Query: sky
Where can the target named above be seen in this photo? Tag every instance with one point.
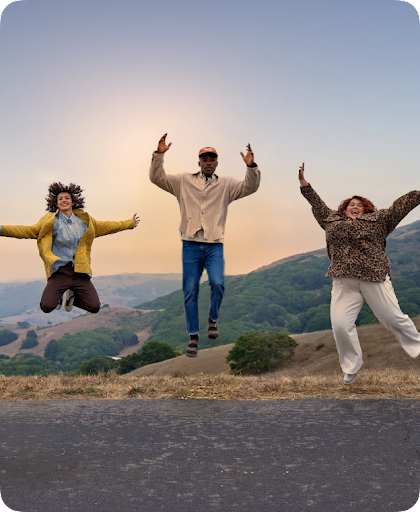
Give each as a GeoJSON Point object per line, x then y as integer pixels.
{"type": "Point", "coordinates": [89, 86]}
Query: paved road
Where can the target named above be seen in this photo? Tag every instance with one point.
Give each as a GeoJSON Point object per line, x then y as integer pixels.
{"type": "Point", "coordinates": [203, 455]}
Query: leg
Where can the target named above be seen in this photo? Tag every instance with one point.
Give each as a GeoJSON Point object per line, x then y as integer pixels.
{"type": "Point", "coordinates": [346, 303]}
{"type": "Point", "coordinates": [57, 284]}
{"type": "Point", "coordinates": [384, 304]}
{"type": "Point", "coordinates": [215, 267]}
{"type": "Point", "coordinates": [192, 268]}
{"type": "Point", "coordinates": [85, 295]}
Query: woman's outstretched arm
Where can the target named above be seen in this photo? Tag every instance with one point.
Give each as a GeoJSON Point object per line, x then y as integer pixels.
{"type": "Point", "coordinates": [106, 227]}
{"type": "Point", "coordinates": [21, 231]}
{"type": "Point", "coordinates": [400, 208]}
{"type": "Point", "coordinates": [319, 208]}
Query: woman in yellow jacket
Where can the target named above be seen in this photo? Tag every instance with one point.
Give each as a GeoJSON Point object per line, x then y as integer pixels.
{"type": "Point", "coordinates": [64, 237]}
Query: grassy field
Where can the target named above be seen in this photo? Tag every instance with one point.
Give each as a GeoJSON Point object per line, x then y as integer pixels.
{"type": "Point", "coordinates": [314, 372]}
{"type": "Point", "coordinates": [370, 384]}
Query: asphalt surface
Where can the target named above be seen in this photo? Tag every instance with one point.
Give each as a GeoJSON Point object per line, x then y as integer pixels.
{"type": "Point", "coordinates": [207, 455]}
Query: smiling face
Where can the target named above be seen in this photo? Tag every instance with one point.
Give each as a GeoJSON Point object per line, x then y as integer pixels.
{"type": "Point", "coordinates": [65, 203]}
{"type": "Point", "coordinates": [355, 209]}
{"type": "Point", "coordinates": [208, 163]}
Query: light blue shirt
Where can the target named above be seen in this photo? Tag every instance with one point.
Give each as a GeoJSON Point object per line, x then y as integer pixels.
{"type": "Point", "coordinates": [66, 236]}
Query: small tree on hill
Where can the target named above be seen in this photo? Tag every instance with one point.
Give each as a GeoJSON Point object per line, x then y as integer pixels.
{"type": "Point", "coordinates": [7, 337]}
{"type": "Point", "coordinates": [260, 350]}
{"type": "Point", "coordinates": [30, 341]}
{"type": "Point", "coordinates": [23, 325]}
{"type": "Point", "coordinates": [155, 351]}
{"type": "Point", "coordinates": [128, 363]}
{"type": "Point", "coordinates": [95, 365]}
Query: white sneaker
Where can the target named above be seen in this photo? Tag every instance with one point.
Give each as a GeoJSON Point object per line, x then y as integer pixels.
{"type": "Point", "coordinates": [69, 300]}
{"type": "Point", "coordinates": [60, 303]}
{"type": "Point", "coordinates": [349, 378]}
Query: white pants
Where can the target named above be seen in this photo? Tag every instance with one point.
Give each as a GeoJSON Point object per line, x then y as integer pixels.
{"type": "Point", "coordinates": [347, 298]}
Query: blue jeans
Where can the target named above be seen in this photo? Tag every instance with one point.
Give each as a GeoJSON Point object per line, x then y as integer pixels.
{"type": "Point", "coordinates": [197, 256]}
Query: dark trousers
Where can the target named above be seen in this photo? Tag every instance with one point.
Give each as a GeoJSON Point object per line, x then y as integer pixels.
{"type": "Point", "coordinates": [65, 278]}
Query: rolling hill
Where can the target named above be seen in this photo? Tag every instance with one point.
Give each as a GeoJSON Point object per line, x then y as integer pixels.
{"type": "Point", "coordinates": [380, 348]}
{"type": "Point", "coordinates": [137, 320]}
{"type": "Point", "coordinates": [290, 295]}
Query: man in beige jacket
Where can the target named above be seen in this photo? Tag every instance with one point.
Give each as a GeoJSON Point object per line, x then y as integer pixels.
{"type": "Point", "coordinates": [203, 199]}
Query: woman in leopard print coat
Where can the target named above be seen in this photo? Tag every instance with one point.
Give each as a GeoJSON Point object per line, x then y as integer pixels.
{"type": "Point", "coordinates": [356, 236]}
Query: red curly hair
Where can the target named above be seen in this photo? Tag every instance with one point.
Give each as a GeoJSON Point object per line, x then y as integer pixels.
{"type": "Point", "coordinates": [368, 206]}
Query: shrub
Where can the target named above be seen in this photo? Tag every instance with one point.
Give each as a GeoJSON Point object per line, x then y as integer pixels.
{"type": "Point", "coordinates": [155, 351]}
{"type": "Point", "coordinates": [260, 350]}
{"type": "Point", "coordinates": [7, 337]}
{"type": "Point", "coordinates": [95, 365]}
{"type": "Point", "coordinates": [30, 341]}
{"type": "Point", "coordinates": [128, 363]}
{"type": "Point", "coordinates": [23, 325]}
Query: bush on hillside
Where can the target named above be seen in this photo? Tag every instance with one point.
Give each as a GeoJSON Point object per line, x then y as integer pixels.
{"type": "Point", "coordinates": [260, 350]}
{"type": "Point", "coordinates": [128, 363]}
{"type": "Point", "coordinates": [7, 337]}
{"type": "Point", "coordinates": [23, 325]}
{"type": "Point", "coordinates": [30, 341]}
{"type": "Point", "coordinates": [155, 351]}
{"type": "Point", "coordinates": [97, 364]}
{"type": "Point", "coordinates": [125, 336]}
{"type": "Point", "coordinates": [28, 364]}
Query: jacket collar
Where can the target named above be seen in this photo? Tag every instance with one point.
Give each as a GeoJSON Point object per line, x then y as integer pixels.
{"type": "Point", "coordinates": [372, 217]}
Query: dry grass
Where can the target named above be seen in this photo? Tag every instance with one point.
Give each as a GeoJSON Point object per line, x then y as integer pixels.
{"type": "Point", "coordinates": [389, 383]}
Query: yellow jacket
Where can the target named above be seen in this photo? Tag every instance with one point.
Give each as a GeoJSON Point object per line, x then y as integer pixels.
{"type": "Point", "coordinates": [43, 230]}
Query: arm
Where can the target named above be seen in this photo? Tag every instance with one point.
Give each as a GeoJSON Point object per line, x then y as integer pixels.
{"type": "Point", "coordinates": [250, 184]}
{"type": "Point", "coordinates": [168, 182]}
{"type": "Point", "coordinates": [107, 227]}
{"type": "Point", "coordinates": [319, 209]}
{"type": "Point", "coordinates": [21, 231]}
{"type": "Point", "coordinates": [400, 208]}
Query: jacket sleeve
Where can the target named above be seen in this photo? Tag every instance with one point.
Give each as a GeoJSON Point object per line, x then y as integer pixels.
{"type": "Point", "coordinates": [21, 231]}
{"type": "Point", "coordinates": [168, 182]}
{"type": "Point", "coordinates": [107, 227]}
{"type": "Point", "coordinates": [319, 208]}
{"type": "Point", "coordinates": [246, 187]}
{"type": "Point", "coordinates": [400, 208]}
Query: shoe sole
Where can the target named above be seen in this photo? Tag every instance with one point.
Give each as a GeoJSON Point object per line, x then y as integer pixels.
{"type": "Point", "coordinates": [352, 382]}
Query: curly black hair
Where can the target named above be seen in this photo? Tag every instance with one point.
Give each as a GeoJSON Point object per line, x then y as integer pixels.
{"type": "Point", "coordinates": [56, 188]}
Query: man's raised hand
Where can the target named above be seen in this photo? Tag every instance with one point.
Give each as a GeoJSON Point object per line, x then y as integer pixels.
{"type": "Point", "coordinates": [249, 157]}
{"type": "Point", "coordinates": [162, 146]}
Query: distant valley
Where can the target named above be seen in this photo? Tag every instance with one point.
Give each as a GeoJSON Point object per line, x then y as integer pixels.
{"type": "Point", "coordinates": [20, 301]}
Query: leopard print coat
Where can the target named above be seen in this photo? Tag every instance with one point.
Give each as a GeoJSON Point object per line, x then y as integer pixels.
{"type": "Point", "coordinates": [356, 248]}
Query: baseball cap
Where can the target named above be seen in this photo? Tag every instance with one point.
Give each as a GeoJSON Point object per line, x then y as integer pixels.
{"type": "Point", "coordinates": [207, 149]}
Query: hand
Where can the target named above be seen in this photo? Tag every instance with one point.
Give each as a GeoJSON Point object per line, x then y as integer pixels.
{"type": "Point", "coordinates": [303, 182]}
{"type": "Point", "coordinates": [249, 157]}
{"type": "Point", "coordinates": [162, 146]}
{"type": "Point", "coordinates": [136, 220]}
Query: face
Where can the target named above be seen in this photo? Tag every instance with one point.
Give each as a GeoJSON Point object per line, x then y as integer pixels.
{"type": "Point", "coordinates": [355, 209]}
{"type": "Point", "coordinates": [208, 163]}
{"type": "Point", "coordinates": [64, 202]}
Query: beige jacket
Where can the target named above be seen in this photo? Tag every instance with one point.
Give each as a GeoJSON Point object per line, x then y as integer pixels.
{"type": "Point", "coordinates": [203, 205]}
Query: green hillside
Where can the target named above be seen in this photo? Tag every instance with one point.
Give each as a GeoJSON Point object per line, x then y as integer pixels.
{"type": "Point", "coordinates": [290, 297]}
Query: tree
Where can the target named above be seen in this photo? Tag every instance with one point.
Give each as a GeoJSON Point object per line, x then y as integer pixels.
{"type": "Point", "coordinates": [95, 365]}
{"type": "Point", "coordinates": [155, 351]}
{"type": "Point", "coordinates": [23, 325]}
{"type": "Point", "coordinates": [7, 337]}
{"type": "Point", "coordinates": [30, 341]}
{"type": "Point", "coordinates": [260, 350]}
{"type": "Point", "coordinates": [128, 363]}
{"type": "Point", "coordinates": [125, 336]}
